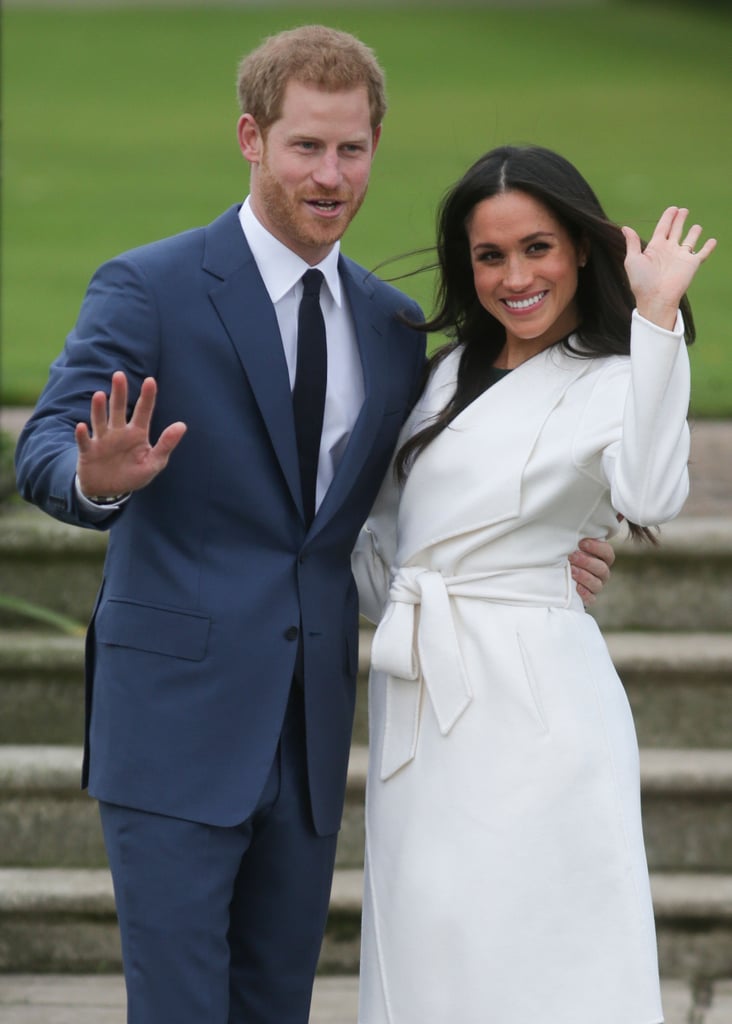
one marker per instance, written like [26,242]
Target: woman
[506,879]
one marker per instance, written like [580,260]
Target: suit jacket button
[291,633]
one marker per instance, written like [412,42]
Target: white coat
[506,879]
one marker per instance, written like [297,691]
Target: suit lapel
[245,309]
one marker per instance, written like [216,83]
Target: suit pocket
[145,627]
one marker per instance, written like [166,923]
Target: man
[222,652]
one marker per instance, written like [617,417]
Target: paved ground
[50,999]
[100,999]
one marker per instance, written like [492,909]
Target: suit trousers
[224,925]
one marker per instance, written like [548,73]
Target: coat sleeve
[636,421]
[375,551]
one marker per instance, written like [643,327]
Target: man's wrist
[110,499]
[103,502]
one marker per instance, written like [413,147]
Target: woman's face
[525,272]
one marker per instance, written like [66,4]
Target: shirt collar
[279,266]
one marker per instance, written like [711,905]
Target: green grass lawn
[119,127]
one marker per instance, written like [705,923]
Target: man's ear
[375,138]
[250,139]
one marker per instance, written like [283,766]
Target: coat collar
[481,476]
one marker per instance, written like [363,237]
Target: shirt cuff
[98,509]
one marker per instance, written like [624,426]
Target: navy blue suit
[212,583]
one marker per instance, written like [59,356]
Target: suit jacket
[210,573]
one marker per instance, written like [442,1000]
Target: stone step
[41,687]
[47,821]
[679,686]
[49,565]
[687,809]
[684,584]
[64,921]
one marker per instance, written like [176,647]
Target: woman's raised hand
[661,273]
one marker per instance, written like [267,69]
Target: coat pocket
[145,627]
[532,680]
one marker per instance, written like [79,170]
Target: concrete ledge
[687,810]
[682,537]
[41,688]
[645,652]
[694,926]
[679,686]
[29,533]
[692,897]
[698,773]
[36,770]
[27,653]
[686,583]
[64,891]
[47,820]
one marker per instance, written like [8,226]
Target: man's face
[311,170]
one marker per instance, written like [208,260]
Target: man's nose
[328,171]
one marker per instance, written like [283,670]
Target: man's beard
[287,212]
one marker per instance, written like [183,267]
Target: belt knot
[431,657]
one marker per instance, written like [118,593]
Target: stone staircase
[666,615]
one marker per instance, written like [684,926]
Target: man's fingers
[118,401]
[169,439]
[98,414]
[587,581]
[82,437]
[142,413]
[600,549]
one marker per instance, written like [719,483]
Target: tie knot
[311,282]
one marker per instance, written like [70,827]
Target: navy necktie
[308,396]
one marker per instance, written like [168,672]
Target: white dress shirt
[281,271]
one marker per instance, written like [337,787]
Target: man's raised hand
[116,456]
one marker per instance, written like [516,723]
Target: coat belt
[425,652]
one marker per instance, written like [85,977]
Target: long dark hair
[604,299]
